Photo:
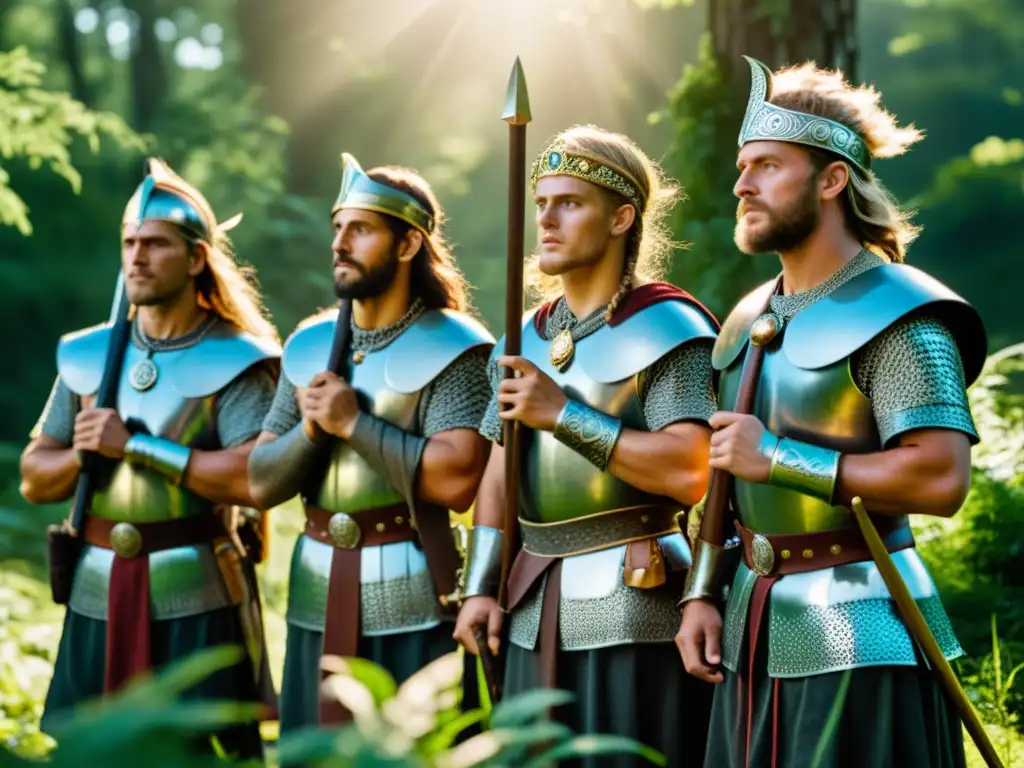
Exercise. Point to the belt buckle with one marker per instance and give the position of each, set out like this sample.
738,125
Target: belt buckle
125,540
762,556
344,531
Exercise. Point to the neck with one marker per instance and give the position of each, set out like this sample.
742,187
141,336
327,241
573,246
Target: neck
591,287
819,257
171,320
383,310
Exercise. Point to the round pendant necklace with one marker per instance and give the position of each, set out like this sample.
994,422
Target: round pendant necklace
144,374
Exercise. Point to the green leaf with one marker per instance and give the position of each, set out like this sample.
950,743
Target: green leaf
526,706
597,744
377,680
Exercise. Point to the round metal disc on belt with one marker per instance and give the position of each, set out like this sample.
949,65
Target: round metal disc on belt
762,556
125,540
344,531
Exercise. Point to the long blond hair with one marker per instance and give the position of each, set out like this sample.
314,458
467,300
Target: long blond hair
871,212
230,289
649,241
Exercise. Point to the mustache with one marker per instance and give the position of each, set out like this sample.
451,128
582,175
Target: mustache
342,260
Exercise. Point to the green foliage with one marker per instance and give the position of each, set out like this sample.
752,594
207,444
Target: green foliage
39,126
705,110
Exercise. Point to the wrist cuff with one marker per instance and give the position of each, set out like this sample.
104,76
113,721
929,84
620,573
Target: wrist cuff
164,456
483,561
805,468
711,568
589,432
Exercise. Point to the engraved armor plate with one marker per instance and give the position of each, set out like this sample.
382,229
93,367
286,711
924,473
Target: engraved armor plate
558,483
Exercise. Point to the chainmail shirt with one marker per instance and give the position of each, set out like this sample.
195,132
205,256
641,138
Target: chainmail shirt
676,388
240,405
911,372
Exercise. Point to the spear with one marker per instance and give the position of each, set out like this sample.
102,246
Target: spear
517,115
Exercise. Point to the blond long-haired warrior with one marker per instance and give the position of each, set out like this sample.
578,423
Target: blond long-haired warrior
861,392
162,571
613,390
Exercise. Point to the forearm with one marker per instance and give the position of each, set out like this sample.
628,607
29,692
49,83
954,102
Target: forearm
486,538
490,499
672,462
927,473
451,467
905,479
278,466
220,476
48,474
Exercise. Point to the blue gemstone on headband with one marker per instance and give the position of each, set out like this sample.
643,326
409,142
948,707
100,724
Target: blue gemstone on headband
554,159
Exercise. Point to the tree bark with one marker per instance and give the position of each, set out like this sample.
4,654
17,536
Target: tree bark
71,52
823,31
148,71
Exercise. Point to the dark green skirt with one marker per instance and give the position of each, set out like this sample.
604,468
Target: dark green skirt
872,717
640,691
401,654
79,670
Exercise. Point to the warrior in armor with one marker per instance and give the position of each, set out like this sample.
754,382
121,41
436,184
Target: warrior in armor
613,393
857,394
162,571
380,449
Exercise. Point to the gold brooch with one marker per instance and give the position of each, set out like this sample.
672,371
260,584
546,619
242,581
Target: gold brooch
562,349
764,329
358,356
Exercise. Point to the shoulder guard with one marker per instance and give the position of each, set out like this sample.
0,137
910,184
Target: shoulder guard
431,344
839,324
736,328
224,354
499,345
306,351
616,353
81,356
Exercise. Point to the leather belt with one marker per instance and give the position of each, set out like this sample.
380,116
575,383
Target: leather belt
368,528
787,553
139,539
595,532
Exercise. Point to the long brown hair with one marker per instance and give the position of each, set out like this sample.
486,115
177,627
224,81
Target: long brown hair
649,241
434,278
871,213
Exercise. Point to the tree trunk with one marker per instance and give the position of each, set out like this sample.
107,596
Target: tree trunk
784,32
148,71
71,52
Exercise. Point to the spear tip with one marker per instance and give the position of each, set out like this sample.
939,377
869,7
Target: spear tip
517,100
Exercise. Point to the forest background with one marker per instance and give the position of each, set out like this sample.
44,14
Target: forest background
254,100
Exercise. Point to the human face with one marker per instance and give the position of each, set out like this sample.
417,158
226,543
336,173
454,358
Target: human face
158,262
575,220
365,254
779,206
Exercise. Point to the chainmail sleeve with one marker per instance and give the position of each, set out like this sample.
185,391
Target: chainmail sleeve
242,406
58,417
284,411
457,398
914,377
679,387
491,427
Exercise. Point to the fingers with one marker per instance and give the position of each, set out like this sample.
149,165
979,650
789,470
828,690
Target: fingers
494,620
464,636
713,647
692,647
723,419
520,364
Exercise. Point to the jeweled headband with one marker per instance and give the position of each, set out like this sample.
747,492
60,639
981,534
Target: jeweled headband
559,160
165,196
358,191
768,122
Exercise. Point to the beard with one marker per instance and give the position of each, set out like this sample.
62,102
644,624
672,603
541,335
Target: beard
787,227
371,282
151,295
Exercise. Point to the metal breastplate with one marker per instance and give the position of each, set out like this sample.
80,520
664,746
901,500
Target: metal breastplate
179,407
558,483
842,617
806,389
397,592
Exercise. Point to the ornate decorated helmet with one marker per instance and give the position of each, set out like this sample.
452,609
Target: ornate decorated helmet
360,192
